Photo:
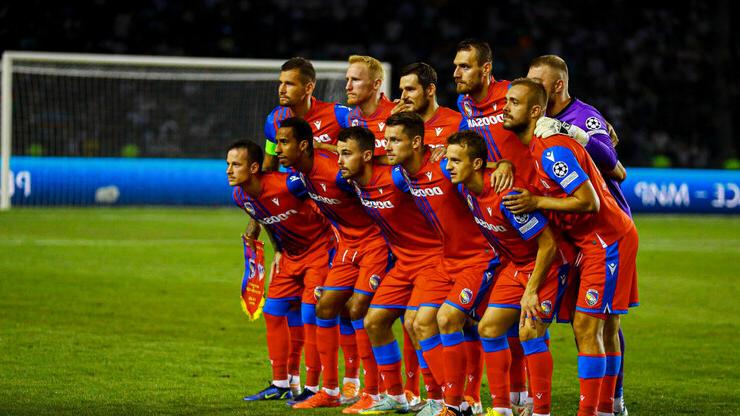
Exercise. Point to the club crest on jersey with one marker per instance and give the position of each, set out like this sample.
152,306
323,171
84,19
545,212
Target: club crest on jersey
381,126
468,109
429,175
438,130
592,296
276,201
249,207
374,282
466,296
593,123
521,219
546,307
317,292
317,123
355,123
560,169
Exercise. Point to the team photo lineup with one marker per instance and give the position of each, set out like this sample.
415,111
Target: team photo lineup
477,226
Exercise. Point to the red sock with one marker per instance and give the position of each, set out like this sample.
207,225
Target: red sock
368,360
433,353
539,367
591,369
474,351
313,361
498,362
351,358
389,364
278,345
327,342
434,391
455,364
411,364
296,348
518,371
606,394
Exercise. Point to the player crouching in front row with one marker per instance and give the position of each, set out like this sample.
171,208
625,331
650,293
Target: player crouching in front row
530,286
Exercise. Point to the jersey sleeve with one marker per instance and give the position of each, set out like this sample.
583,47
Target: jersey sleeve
341,114
399,179
296,185
527,225
271,126
599,146
561,165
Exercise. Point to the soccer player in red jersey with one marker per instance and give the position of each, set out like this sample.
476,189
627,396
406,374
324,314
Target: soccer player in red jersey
361,261
593,220
529,289
302,241
417,248
481,103
370,107
295,93
469,260
418,86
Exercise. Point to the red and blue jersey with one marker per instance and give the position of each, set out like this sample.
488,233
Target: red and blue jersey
444,208
326,119
487,119
374,122
283,207
563,166
387,200
512,235
336,199
443,123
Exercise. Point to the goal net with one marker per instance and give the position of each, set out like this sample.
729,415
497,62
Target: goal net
67,111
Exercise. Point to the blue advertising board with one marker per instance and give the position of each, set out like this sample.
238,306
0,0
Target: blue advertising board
121,181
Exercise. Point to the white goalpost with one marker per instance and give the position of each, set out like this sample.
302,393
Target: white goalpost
67,106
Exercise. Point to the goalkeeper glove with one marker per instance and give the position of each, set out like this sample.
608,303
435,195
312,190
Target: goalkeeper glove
547,127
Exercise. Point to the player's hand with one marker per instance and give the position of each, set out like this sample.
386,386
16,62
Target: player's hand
253,230
530,309
547,127
503,177
401,106
438,153
612,134
522,203
275,264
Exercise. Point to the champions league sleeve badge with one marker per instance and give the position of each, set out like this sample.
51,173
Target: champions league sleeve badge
253,280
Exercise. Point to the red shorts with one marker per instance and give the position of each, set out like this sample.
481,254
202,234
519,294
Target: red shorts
472,284
361,269
608,277
299,276
404,286
512,280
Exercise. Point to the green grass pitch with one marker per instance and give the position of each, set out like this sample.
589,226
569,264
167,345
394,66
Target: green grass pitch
136,311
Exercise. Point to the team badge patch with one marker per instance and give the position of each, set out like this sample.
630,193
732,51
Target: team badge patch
560,169
317,292
374,282
546,307
249,207
521,219
592,296
466,296
468,109
593,123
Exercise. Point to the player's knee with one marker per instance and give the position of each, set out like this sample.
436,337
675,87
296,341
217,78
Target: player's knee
448,321
357,308
425,325
409,326
490,328
527,333
589,333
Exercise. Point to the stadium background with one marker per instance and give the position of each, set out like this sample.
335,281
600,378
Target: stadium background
135,311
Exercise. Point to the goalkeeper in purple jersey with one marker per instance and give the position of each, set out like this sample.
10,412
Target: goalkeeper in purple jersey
599,140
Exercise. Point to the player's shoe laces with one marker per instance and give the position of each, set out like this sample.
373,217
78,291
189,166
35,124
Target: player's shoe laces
350,393
305,395
320,399
412,399
364,402
386,405
431,408
271,393
475,407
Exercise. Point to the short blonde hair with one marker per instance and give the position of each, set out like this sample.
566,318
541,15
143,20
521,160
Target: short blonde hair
374,67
